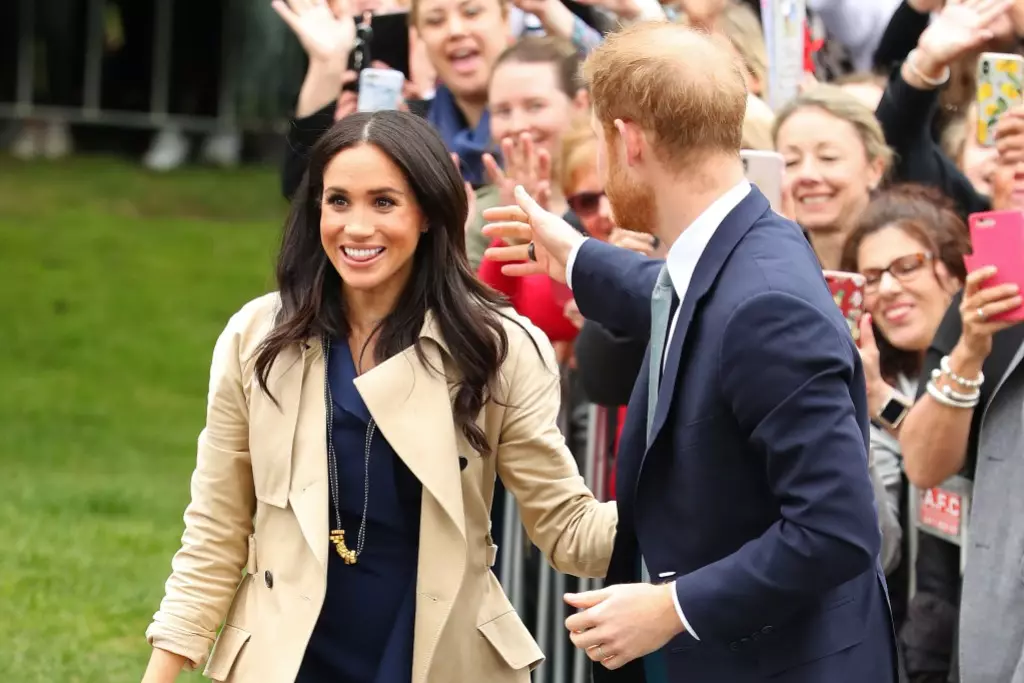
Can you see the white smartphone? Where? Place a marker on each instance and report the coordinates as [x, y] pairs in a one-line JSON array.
[[380, 89], [765, 169]]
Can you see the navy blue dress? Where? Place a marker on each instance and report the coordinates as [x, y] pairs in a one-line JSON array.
[[365, 630]]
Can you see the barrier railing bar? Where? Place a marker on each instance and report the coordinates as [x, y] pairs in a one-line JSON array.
[[509, 555], [562, 640], [544, 632], [227, 107], [161, 86], [519, 566], [910, 528], [93, 81], [128, 119], [26, 58]]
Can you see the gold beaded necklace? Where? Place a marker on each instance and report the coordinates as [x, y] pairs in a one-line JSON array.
[[337, 533]]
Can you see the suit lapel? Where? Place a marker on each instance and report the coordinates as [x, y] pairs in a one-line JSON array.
[[411, 404], [725, 239]]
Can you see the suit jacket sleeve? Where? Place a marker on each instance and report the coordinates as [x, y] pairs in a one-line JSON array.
[[786, 371], [560, 514], [608, 364], [206, 571], [613, 287]]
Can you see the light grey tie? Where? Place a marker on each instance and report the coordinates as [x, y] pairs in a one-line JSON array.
[[661, 313]]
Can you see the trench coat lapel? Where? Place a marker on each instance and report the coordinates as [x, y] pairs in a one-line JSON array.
[[411, 403]]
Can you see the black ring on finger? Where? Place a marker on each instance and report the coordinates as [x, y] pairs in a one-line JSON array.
[[531, 252]]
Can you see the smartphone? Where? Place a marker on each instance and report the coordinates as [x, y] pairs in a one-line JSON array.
[[999, 90], [783, 23], [997, 239], [385, 39], [848, 292], [380, 89], [764, 169]]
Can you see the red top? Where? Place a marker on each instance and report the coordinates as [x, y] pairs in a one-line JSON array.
[[537, 297]]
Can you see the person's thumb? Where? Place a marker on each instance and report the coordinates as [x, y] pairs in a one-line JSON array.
[[585, 600], [528, 203]]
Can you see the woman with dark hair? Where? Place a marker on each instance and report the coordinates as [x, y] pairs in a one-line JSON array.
[[356, 424], [909, 244]]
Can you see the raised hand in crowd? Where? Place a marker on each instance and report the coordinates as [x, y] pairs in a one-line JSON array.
[[327, 33], [628, 10], [324, 28], [526, 165], [878, 389], [640, 242], [961, 27], [925, 6]]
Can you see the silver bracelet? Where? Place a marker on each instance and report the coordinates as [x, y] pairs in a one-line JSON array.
[[940, 396], [957, 379]]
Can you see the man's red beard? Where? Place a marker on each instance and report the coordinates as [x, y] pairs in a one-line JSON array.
[[632, 203]]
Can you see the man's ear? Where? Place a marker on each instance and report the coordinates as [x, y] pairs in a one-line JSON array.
[[634, 141]]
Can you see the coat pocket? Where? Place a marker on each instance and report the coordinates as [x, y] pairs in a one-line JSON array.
[[225, 652], [508, 635]]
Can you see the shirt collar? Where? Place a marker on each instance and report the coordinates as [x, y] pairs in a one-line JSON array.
[[686, 251]]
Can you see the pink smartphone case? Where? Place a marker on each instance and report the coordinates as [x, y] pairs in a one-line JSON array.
[[997, 239]]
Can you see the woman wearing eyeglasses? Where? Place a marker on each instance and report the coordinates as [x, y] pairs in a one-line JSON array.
[[909, 245]]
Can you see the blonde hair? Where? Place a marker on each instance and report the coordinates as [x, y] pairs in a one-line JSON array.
[[578, 153], [833, 100], [757, 125], [741, 26], [677, 84]]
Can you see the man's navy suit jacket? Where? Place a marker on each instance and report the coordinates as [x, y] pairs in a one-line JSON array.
[[754, 493]]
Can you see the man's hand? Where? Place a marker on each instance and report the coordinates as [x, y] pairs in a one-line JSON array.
[[526, 222], [624, 622]]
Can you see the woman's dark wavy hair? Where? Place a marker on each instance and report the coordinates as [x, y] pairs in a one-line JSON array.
[[442, 281], [928, 216]]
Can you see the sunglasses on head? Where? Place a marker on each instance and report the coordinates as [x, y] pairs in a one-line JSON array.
[[585, 204]]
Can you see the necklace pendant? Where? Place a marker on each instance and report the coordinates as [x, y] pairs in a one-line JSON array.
[[338, 539]]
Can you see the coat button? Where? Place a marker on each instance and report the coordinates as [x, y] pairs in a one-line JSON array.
[[734, 646], [268, 579]]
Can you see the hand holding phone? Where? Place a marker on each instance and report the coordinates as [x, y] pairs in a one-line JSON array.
[[848, 292], [997, 239]]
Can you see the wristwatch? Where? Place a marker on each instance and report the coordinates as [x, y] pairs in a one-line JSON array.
[[895, 409]]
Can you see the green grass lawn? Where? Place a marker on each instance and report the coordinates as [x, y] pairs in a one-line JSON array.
[[115, 284]]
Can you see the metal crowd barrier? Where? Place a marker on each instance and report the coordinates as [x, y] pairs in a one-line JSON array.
[[91, 111], [548, 628]]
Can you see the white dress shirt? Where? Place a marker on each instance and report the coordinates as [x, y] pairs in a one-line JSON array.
[[682, 262]]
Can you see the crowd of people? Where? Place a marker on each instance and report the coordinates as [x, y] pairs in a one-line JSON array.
[[882, 168]]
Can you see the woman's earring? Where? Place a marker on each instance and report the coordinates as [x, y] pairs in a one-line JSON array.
[[425, 227]]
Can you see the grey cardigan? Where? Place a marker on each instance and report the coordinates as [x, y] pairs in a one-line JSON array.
[[992, 599], [886, 468]]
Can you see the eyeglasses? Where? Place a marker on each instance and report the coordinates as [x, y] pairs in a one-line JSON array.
[[585, 204], [904, 268]]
